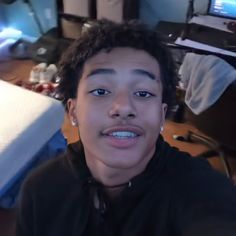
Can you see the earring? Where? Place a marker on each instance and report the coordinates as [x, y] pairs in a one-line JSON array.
[[74, 122], [162, 128]]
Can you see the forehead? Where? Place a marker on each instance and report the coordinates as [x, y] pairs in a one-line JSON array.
[[125, 58]]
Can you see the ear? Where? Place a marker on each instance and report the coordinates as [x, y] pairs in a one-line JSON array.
[[164, 110], [71, 106]]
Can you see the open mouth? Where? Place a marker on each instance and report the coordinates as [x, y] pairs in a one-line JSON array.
[[122, 137]]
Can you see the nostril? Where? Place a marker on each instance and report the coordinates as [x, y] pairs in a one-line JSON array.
[[122, 110], [115, 114], [123, 115], [131, 115]]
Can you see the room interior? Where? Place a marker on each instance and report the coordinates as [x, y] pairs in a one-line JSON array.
[[17, 70]]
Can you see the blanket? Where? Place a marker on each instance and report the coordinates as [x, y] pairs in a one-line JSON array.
[[205, 78]]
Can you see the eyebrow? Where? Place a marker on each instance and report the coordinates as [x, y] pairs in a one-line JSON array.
[[107, 71], [145, 73], [101, 71]]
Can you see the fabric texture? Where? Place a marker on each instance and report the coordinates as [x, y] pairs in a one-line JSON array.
[[205, 78], [29, 120], [55, 146], [175, 195]]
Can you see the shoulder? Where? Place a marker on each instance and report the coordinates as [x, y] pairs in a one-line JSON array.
[[181, 163], [58, 172], [190, 172], [193, 180], [47, 176], [200, 197], [203, 198]]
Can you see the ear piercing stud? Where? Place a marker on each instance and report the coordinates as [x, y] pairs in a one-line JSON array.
[[162, 128], [74, 123]]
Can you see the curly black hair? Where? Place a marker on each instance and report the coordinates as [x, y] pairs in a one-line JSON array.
[[106, 35]]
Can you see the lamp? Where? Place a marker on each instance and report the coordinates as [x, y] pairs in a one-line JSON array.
[[19, 49], [47, 48]]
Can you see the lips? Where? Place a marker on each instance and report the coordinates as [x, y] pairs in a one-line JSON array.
[[123, 131], [122, 136]]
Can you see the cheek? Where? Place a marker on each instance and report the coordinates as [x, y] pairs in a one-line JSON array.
[[86, 117], [152, 114], [90, 108], [89, 115], [87, 123]]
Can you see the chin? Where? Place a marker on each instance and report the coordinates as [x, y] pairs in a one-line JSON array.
[[127, 160]]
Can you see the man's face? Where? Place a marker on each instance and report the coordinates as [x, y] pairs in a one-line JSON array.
[[119, 108]]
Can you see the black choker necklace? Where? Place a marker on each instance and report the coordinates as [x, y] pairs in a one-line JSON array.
[[128, 184], [92, 181]]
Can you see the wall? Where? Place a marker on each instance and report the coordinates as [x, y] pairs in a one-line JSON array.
[[18, 15], [153, 11], [2, 18]]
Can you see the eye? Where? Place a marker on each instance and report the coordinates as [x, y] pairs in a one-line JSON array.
[[144, 94], [100, 92]]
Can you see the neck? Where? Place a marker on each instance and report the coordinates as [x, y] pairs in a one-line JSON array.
[[114, 191], [110, 178], [116, 177], [111, 191]]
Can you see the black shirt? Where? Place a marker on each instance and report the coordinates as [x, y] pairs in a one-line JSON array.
[[176, 195]]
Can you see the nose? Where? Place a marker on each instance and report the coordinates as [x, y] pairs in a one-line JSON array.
[[122, 107]]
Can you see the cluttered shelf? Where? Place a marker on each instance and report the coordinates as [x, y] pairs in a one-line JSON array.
[[183, 38]]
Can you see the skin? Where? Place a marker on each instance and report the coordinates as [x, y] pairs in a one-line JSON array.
[[119, 112]]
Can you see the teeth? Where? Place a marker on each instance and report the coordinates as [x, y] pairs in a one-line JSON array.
[[123, 134]]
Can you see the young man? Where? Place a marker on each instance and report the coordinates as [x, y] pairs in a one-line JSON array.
[[121, 178]]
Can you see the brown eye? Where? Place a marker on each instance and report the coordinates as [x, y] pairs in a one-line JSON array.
[[100, 92], [144, 94]]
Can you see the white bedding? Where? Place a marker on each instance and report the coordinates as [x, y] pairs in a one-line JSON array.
[[27, 121]]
